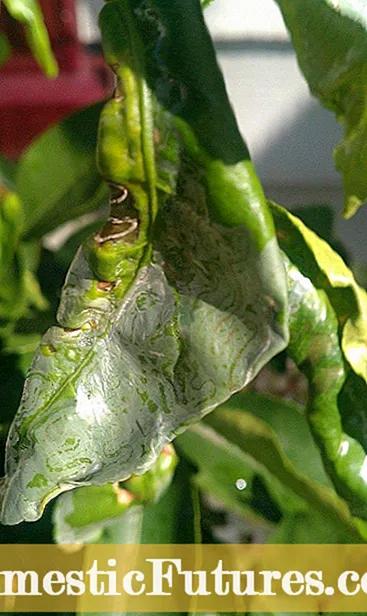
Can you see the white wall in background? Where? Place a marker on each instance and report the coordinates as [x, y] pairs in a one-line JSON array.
[[227, 19], [87, 19], [290, 136], [236, 19]]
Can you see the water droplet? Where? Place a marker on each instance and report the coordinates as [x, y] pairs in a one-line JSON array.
[[241, 484]]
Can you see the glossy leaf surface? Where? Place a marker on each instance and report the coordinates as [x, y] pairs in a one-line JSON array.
[[119, 389], [141, 354], [288, 421], [317, 261], [316, 349], [327, 270]]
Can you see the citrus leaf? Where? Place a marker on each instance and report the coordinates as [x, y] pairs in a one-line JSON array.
[[315, 347], [57, 176], [317, 261], [258, 440], [327, 270], [82, 515], [154, 353], [188, 312], [222, 467], [330, 39], [28, 12], [289, 421]]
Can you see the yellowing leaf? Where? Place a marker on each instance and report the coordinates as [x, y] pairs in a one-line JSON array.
[[317, 260]]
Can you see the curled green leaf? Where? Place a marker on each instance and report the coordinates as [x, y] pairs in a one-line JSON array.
[[315, 347], [28, 12], [317, 260], [176, 303], [120, 378]]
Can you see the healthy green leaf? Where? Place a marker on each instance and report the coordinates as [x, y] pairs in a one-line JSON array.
[[221, 465], [306, 524], [189, 311], [258, 440], [288, 420], [28, 12], [57, 176], [330, 40]]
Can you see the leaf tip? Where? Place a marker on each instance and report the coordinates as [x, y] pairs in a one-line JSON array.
[[352, 204]]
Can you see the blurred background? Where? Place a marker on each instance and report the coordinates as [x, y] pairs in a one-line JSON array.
[[290, 136]]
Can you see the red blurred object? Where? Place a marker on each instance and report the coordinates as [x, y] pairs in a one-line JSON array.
[[29, 102]]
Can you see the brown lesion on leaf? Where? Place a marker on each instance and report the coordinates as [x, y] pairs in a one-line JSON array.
[[118, 94], [123, 223], [104, 285]]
